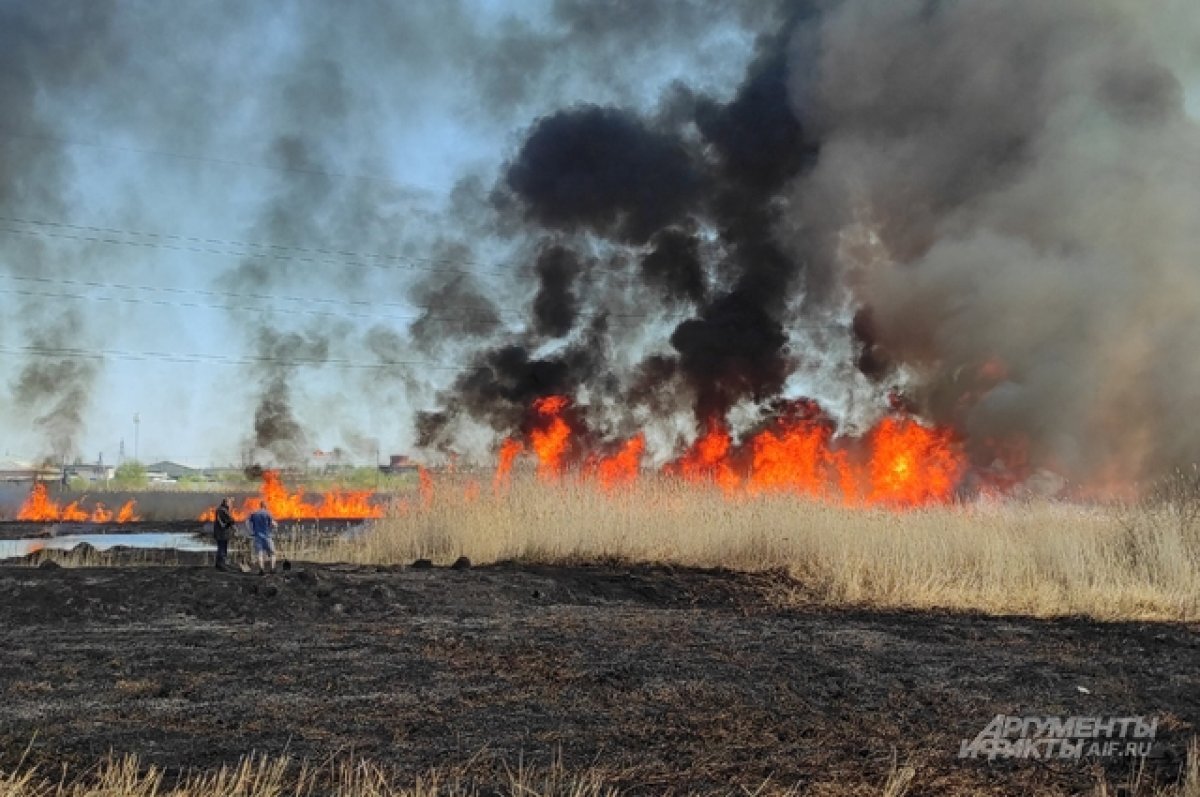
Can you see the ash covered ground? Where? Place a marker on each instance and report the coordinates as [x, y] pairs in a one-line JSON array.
[[664, 678]]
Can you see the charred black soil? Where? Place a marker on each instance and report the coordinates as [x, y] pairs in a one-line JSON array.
[[666, 678]]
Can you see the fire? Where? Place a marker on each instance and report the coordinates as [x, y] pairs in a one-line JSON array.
[[912, 465], [551, 438], [622, 467], [509, 451], [125, 513], [40, 507], [284, 505], [426, 487], [708, 459], [796, 457], [900, 463]]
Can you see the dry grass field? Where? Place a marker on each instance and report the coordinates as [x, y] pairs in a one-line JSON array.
[[262, 776], [664, 638], [1041, 558]]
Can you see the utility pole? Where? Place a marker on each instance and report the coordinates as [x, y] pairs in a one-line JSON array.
[[378, 472], [137, 419]]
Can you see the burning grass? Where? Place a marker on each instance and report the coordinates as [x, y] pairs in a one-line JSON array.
[[41, 508], [285, 504], [900, 463], [1040, 558]]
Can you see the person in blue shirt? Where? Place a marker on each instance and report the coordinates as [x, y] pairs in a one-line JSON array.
[[262, 524]]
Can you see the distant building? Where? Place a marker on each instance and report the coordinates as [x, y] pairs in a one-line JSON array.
[[91, 471], [16, 470], [164, 470], [399, 463]]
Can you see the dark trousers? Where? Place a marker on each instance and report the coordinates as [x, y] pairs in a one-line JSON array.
[[222, 552]]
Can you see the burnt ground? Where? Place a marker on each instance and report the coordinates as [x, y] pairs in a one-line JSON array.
[[669, 679]]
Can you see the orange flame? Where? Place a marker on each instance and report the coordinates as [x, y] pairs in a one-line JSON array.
[[350, 504], [708, 459], [622, 467], [796, 458], [125, 514], [73, 514], [40, 507], [900, 463], [551, 440], [101, 514], [509, 451], [912, 465], [426, 488]]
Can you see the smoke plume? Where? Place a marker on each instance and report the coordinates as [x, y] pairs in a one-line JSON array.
[[687, 198], [979, 210], [555, 306], [277, 432], [56, 388], [40, 53], [1024, 168], [988, 199]]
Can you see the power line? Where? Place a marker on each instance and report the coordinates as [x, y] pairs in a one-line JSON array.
[[267, 297], [197, 244], [225, 294], [216, 359], [200, 240], [207, 247], [463, 314], [202, 158], [268, 251], [231, 307], [482, 310]]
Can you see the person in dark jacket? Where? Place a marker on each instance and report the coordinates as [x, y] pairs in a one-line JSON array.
[[223, 524]]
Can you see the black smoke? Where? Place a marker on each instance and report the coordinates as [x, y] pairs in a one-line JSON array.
[[45, 47], [498, 388], [453, 309], [56, 388], [556, 306], [604, 170], [673, 265], [693, 193], [276, 430], [733, 350], [278, 434]]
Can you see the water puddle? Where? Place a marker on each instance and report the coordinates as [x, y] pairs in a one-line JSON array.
[[102, 542]]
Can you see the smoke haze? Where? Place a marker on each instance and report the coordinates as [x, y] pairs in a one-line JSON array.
[[388, 227], [1028, 170]]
